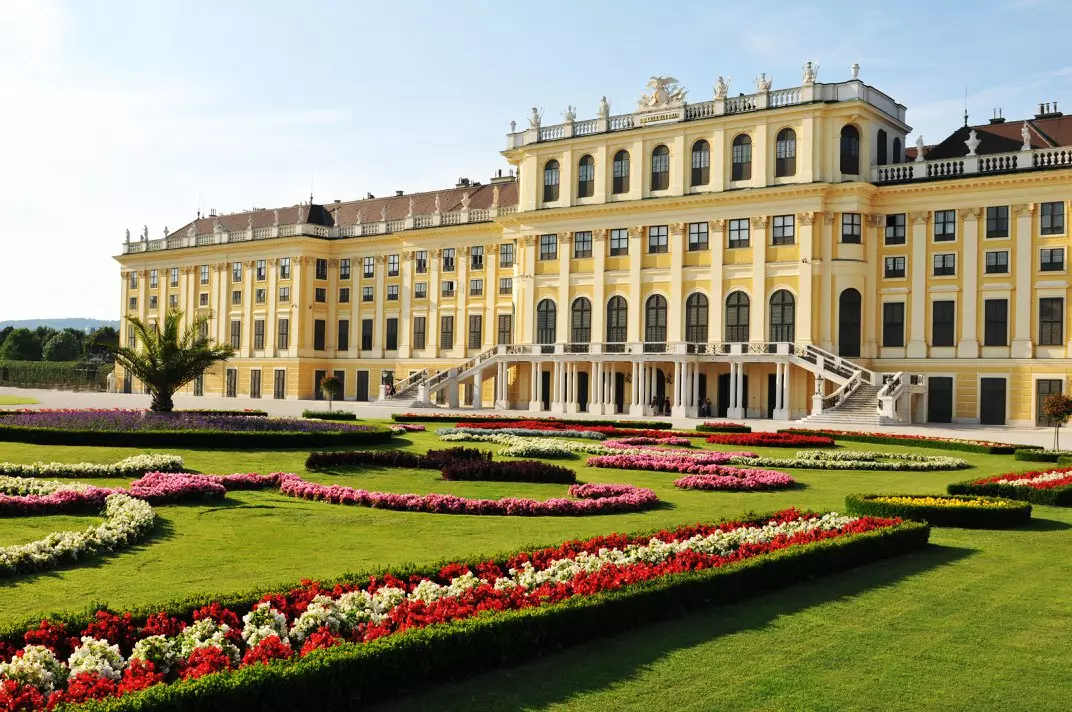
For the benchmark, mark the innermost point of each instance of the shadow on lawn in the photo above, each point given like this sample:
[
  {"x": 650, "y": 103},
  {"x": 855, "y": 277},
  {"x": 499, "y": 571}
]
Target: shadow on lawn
[
  {"x": 606, "y": 662},
  {"x": 1045, "y": 525}
]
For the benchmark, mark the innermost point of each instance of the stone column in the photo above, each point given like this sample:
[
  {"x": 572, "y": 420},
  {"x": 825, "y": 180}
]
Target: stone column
[
  {"x": 478, "y": 390},
  {"x": 491, "y": 295},
  {"x": 826, "y": 279},
  {"x": 873, "y": 237},
  {"x": 968, "y": 346},
  {"x": 694, "y": 404},
  {"x": 599, "y": 299},
  {"x": 534, "y": 387},
  {"x": 270, "y": 328},
  {"x": 736, "y": 410},
  {"x": 247, "y": 310},
  {"x": 635, "y": 331},
  {"x": 917, "y": 344},
  {"x": 565, "y": 252},
  {"x": 461, "y": 321},
  {"x": 381, "y": 298},
  {"x": 677, "y": 404},
  {"x": 787, "y": 392},
  {"x": 634, "y": 391},
  {"x": 757, "y": 327},
  {"x": 1022, "y": 346},
  {"x": 804, "y": 335},
  {"x": 674, "y": 321},
  {"x": 405, "y": 318},
  {"x": 716, "y": 239},
  {"x": 432, "y": 344}
]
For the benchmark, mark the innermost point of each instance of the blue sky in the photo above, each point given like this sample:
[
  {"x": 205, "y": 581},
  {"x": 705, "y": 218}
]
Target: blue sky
[{"x": 118, "y": 114}]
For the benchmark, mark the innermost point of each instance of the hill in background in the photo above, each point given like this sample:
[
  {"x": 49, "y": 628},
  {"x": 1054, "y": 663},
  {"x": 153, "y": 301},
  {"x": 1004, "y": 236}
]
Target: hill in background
[{"x": 80, "y": 323}]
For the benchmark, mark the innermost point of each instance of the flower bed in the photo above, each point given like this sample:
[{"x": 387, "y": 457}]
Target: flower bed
[
  {"x": 709, "y": 472},
  {"x": 142, "y": 428},
  {"x": 518, "y": 471},
  {"x": 858, "y": 460},
  {"x": 1053, "y": 487},
  {"x": 406, "y": 428},
  {"x": 246, "y": 413},
  {"x": 723, "y": 427},
  {"x": 985, "y": 447},
  {"x": 972, "y": 512},
  {"x": 665, "y": 461},
  {"x": 523, "y": 432},
  {"x": 734, "y": 479},
  {"x": 466, "y": 419},
  {"x": 533, "y": 428},
  {"x": 779, "y": 439},
  {"x": 127, "y": 467},
  {"x": 316, "y": 647},
  {"x": 1040, "y": 455},
  {"x": 329, "y": 414}
]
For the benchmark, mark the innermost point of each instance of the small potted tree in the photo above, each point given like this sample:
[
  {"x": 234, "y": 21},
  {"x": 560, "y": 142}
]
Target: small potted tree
[
  {"x": 1058, "y": 408},
  {"x": 332, "y": 388}
]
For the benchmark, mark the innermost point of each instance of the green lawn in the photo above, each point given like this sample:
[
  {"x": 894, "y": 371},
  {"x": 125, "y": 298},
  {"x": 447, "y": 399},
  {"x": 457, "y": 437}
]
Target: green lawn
[
  {"x": 17, "y": 400},
  {"x": 978, "y": 620}
]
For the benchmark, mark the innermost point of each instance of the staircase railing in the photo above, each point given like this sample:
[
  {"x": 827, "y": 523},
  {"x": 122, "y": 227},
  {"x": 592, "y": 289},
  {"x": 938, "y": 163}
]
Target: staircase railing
[
  {"x": 410, "y": 381},
  {"x": 892, "y": 391},
  {"x": 839, "y": 396}
]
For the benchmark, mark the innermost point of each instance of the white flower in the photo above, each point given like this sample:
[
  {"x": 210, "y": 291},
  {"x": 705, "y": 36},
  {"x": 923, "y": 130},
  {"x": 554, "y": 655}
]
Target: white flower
[
  {"x": 98, "y": 657},
  {"x": 322, "y": 612},
  {"x": 36, "y": 667},
  {"x": 160, "y": 651},
  {"x": 263, "y": 622},
  {"x": 206, "y": 633}
]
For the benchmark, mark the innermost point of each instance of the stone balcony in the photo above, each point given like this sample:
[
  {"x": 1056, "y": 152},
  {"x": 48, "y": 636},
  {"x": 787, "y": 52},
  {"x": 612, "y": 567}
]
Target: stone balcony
[{"x": 922, "y": 170}]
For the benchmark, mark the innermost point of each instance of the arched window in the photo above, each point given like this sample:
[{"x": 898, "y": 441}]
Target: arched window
[
  {"x": 581, "y": 321},
  {"x": 898, "y": 153},
  {"x": 660, "y": 168},
  {"x": 701, "y": 163},
  {"x": 696, "y": 319},
  {"x": 546, "y": 318},
  {"x": 737, "y": 317},
  {"x": 655, "y": 320},
  {"x": 783, "y": 316},
  {"x": 742, "y": 158},
  {"x": 586, "y": 177},
  {"x": 550, "y": 181},
  {"x": 881, "y": 147},
  {"x": 617, "y": 315},
  {"x": 850, "y": 150},
  {"x": 785, "y": 151},
  {"x": 621, "y": 172},
  {"x": 849, "y": 323}
]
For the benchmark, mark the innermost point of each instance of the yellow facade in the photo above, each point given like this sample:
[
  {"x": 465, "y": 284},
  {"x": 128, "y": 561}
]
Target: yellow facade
[{"x": 852, "y": 248}]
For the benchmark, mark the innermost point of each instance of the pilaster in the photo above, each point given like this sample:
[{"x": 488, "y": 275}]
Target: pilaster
[
  {"x": 826, "y": 280},
  {"x": 805, "y": 222},
  {"x": 674, "y": 321},
  {"x": 599, "y": 297},
  {"x": 562, "y": 316},
  {"x": 968, "y": 346},
  {"x": 636, "y": 298},
  {"x": 716, "y": 240},
  {"x": 1022, "y": 346},
  {"x": 917, "y": 344},
  {"x": 757, "y": 327}
]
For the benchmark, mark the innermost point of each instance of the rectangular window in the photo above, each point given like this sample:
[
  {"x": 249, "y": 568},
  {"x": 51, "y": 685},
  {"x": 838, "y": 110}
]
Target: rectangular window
[
  {"x": 698, "y": 236},
  {"x": 658, "y": 240},
  {"x": 173, "y": 301},
  {"x": 1051, "y": 321},
  {"x": 420, "y": 329},
  {"x": 895, "y": 229},
  {"x": 420, "y": 261},
  {"x": 476, "y": 338},
  {"x": 320, "y": 295},
  {"x": 997, "y": 221},
  {"x": 202, "y": 330},
  {"x": 132, "y": 303},
  {"x": 204, "y": 274},
  {"x": 283, "y": 336},
  {"x": 420, "y": 290},
  {"x": 344, "y": 268},
  {"x": 476, "y": 257},
  {"x": 446, "y": 332},
  {"x": 236, "y": 334},
  {"x": 133, "y": 277},
  {"x": 258, "y": 334},
  {"x": 236, "y": 297},
  {"x": 319, "y": 334},
  {"x": 895, "y": 267},
  {"x": 506, "y": 254},
  {"x": 783, "y": 230},
  {"x": 368, "y": 267},
  {"x": 945, "y": 265},
  {"x": 262, "y": 270},
  {"x": 619, "y": 242},
  {"x": 448, "y": 287},
  {"x": 254, "y": 383},
  {"x": 173, "y": 275},
  {"x": 260, "y": 295},
  {"x": 153, "y": 279},
  {"x": 153, "y": 302},
  {"x": 851, "y": 228},
  {"x": 997, "y": 262},
  {"x": 448, "y": 259},
  {"x": 321, "y": 268},
  {"x": 738, "y": 234},
  {"x": 995, "y": 322},
  {"x": 392, "y": 292},
  {"x": 131, "y": 341},
  {"x": 582, "y": 244},
  {"x": 943, "y": 315},
  {"x": 548, "y": 247},
  {"x": 284, "y": 294},
  {"x": 392, "y": 265},
  {"x": 344, "y": 295},
  {"x": 506, "y": 285},
  {"x": 1052, "y": 259},
  {"x": 236, "y": 272},
  {"x": 391, "y": 335},
  {"x": 945, "y": 225},
  {"x": 476, "y": 287},
  {"x": 280, "y": 390},
  {"x": 284, "y": 273},
  {"x": 202, "y": 299},
  {"x": 893, "y": 324},
  {"x": 366, "y": 294},
  {"x": 366, "y": 334},
  {"x": 1053, "y": 219},
  {"x": 506, "y": 329},
  {"x": 343, "y": 344}
]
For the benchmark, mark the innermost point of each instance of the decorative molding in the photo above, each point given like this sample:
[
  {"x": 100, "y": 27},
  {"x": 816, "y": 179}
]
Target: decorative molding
[
  {"x": 971, "y": 213},
  {"x": 1024, "y": 209},
  {"x": 334, "y": 262},
  {"x": 876, "y": 220},
  {"x": 717, "y": 225},
  {"x": 919, "y": 217},
  {"x": 636, "y": 231},
  {"x": 678, "y": 229},
  {"x": 528, "y": 240},
  {"x": 759, "y": 222},
  {"x": 804, "y": 219},
  {"x": 566, "y": 238},
  {"x": 600, "y": 235},
  {"x": 828, "y": 218}
]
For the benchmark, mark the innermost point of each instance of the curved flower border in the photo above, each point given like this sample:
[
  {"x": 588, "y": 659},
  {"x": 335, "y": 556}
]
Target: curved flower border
[{"x": 127, "y": 467}]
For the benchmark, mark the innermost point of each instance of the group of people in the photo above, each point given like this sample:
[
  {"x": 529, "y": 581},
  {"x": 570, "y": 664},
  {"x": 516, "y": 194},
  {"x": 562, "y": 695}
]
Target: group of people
[{"x": 663, "y": 407}]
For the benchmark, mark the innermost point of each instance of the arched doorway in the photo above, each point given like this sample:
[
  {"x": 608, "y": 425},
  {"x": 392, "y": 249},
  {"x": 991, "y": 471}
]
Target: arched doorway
[{"x": 849, "y": 323}]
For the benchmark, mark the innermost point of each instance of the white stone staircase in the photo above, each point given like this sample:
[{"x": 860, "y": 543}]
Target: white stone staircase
[{"x": 858, "y": 409}]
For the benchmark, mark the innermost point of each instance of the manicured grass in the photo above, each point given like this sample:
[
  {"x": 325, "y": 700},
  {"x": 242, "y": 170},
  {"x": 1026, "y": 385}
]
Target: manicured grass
[
  {"x": 17, "y": 400},
  {"x": 975, "y": 621}
]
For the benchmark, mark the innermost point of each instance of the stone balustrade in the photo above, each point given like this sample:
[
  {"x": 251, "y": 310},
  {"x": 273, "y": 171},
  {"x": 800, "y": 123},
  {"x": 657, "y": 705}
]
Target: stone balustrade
[{"x": 1032, "y": 159}]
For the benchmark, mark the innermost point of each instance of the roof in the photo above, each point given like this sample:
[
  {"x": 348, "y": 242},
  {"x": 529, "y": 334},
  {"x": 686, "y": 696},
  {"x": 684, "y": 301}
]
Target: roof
[
  {"x": 345, "y": 212},
  {"x": 1006, "y": 137}
]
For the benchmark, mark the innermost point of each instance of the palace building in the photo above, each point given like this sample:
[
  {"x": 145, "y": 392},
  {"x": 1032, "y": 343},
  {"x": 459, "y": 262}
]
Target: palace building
[{"x": 784, "y": 253}]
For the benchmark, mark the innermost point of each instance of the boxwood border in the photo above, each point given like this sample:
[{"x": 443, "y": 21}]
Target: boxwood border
[
  {"x": 1004, "y": 516},
  {"x": 349, "y": 676},
  {"x": 1053, "y": 496},
  {"x": 240, "y": 440},
  {"x": 329, "y": 414},
  {"x": 935, "y": 443},
  {"x": 467, "y": 419},
  {"x": 702, "y": 428},
  {"x": 1025, "y": 454}
]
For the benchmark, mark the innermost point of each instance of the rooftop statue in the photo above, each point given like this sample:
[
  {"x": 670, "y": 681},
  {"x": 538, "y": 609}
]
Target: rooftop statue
[
  {"x": 722, "y": 87},
  {"x": 604, "y": 108},
  {"x": 664, "y": 90},
  {"x": 810, "y": 72}
]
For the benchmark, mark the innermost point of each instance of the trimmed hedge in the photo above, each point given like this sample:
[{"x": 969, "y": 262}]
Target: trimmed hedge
[
  {"x": 329, "y": 414},
  {"x": 353, "y": 675},
  {"x": 909, "y": 441},
  {"x": 468, "y": 419},
  {"x": 506, "y": 471},
  {"x": 1052, "y": 496},
  {"x": 432, "y": 460},
  {"x": 1034, "y": 455},
  {"x": 702, "y": 428},
  {"x": 231, "y": 440},
  {"x": 212, "y": 411},
  {"x": 1002, "y": 515}
]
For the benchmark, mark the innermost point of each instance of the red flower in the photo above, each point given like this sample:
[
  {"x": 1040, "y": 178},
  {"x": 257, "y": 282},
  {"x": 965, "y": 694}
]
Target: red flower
[
  {"x": 115, "y": 629},
  {"x": 162, "y": 624},
  {"x": 271, "y": 648},
  {"x": 139, "y": 675},
  {"x": 54, "y": 637},
  {"x": 770, "y": 440},
  {"x": 17, "y": 698},
  {"x": 83, "y": 687},
  {"x": 321, "y": 638},
  {"x": 205, "y": 661}
]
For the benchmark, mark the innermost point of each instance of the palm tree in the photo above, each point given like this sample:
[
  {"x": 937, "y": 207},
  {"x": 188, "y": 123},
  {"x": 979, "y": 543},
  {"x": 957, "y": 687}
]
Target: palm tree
[{"x": 170, "y": 357}]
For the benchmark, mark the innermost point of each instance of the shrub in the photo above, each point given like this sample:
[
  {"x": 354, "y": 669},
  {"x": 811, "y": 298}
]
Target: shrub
[
  {"x": 517, "y": 471},
  {"x": 980, "y": 446},
  {"x": 1038, "y": 455},
  {"x": 1052, "y": 487},
  {"x": 329, "y": 414},
  {"x": 969, "y": 512},
  {"x": 720, "y": 427}
]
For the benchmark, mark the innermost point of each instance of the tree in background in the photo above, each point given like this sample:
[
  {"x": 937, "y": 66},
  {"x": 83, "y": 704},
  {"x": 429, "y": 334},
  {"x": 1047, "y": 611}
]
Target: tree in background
[
  {"x": 332, "y": 388},
  {"x": 168, "y": 357},
  {"x": 101, "y": 342},
  {"x": 21, "y": 345},
  {"x": 1058, "y": 408},
  {"x": 64, "y": 346},
  {"x": 44, "y": 333}
]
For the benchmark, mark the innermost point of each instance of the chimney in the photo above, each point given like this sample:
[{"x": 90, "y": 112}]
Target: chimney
[
  {"x": 212, "y": 212},
  {"x": 462, "y": 183},
  {"x": 337, "y": 201},
  {"x": 369, "y": 196},
  {"x": 398, "y": 193},
  {"x": 997, "y": 118},
  {"x": 1048, "y": 110}
]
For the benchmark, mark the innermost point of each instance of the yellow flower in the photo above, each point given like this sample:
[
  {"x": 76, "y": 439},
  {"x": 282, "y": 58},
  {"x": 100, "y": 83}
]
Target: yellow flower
[{"x": 940, "y": 501}]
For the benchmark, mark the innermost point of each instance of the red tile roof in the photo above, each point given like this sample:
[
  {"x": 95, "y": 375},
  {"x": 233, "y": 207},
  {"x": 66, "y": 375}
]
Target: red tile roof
[{"x": 1005, "y": 137}]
